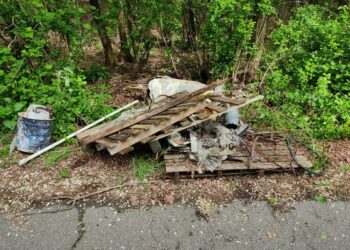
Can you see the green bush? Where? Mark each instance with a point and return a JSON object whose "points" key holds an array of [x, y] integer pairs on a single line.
{"points": [[39, 54], [230, 28], [309, 80]]}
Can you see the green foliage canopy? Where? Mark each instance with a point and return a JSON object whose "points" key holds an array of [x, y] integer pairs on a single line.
{"points": [[310, 78]]}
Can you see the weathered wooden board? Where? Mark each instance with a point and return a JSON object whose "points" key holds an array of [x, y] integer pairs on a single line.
{"points": [[107, 142], [234, 101], [118, 136], [234, 166], [216, 108]]}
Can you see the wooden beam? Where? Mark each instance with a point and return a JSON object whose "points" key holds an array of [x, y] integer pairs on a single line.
{"points": [[93, 134], [235, 166], [109, 143], [127, 150], [118, 136], [142, 126], [216, 108], [227, 100]]}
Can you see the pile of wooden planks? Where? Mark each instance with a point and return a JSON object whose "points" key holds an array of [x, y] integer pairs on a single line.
{"points": [[165, 118]]}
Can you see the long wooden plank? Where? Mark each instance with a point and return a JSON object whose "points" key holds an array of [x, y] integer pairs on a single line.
{"points": [[216, 108], [154, 129], [149, 121], [161, 117], [227, 100], [114, 126], [211, 117], [107, 142], [234, 166], [118, 136], [142, 126]]}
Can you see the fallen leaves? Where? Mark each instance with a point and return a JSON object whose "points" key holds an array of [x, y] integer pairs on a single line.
{"points": [[204, 208], [169, 199], [271, 235]]}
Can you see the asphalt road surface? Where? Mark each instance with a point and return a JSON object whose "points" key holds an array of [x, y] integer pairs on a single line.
{"points": [[256, 225]]}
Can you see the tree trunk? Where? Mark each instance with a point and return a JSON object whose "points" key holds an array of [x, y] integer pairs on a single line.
{"points": [[260, 36], [189, 21], [124, 46], [106, 42]]}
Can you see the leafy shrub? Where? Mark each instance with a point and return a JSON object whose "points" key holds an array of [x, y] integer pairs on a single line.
{"points": [[229, 28], [95, 73], [64, 89], [309, 79], [39, 52]]}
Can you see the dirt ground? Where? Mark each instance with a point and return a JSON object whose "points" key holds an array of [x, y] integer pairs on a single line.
{"points": [[38, 184]]}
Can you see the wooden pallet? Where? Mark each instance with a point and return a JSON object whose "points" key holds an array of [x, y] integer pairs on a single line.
{"points": [[266, 158]]}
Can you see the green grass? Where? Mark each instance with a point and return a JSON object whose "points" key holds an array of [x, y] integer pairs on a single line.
{"points": [[4, 151], [345, 168], [64, 173], [272, 201], [55, 156], [145, 167], [5, 142], [321, 199], [323, 183]]}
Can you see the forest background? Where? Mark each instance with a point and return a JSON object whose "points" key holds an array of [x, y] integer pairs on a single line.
{"points": [[295, 53]]}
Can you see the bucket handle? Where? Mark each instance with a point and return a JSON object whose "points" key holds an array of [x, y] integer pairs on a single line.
{"points": [[47, 109]]}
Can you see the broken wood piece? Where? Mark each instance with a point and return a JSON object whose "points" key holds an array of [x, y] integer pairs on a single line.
{"points": [[150, 121], [109, 143], [225, 166], [227, 100], [148, 139], [142, 126], [185, 122], [202, 116], [161, 117], [167, 129], [216, 108], [118, 136], [127, 150]]}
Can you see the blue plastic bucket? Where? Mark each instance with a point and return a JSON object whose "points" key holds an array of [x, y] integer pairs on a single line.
{"points": [[32, 135]]}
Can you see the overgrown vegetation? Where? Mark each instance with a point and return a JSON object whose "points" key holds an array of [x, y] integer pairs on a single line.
{"points": [[40, 54], [144, 167], [309, 78], [294, 52]]}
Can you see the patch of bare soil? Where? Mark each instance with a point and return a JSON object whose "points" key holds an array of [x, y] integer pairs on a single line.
{"points": [[89, 171]]}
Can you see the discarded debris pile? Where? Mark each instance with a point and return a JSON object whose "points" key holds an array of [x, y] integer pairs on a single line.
{"points": [[202, 127], [255, 152], [171, 115]]}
